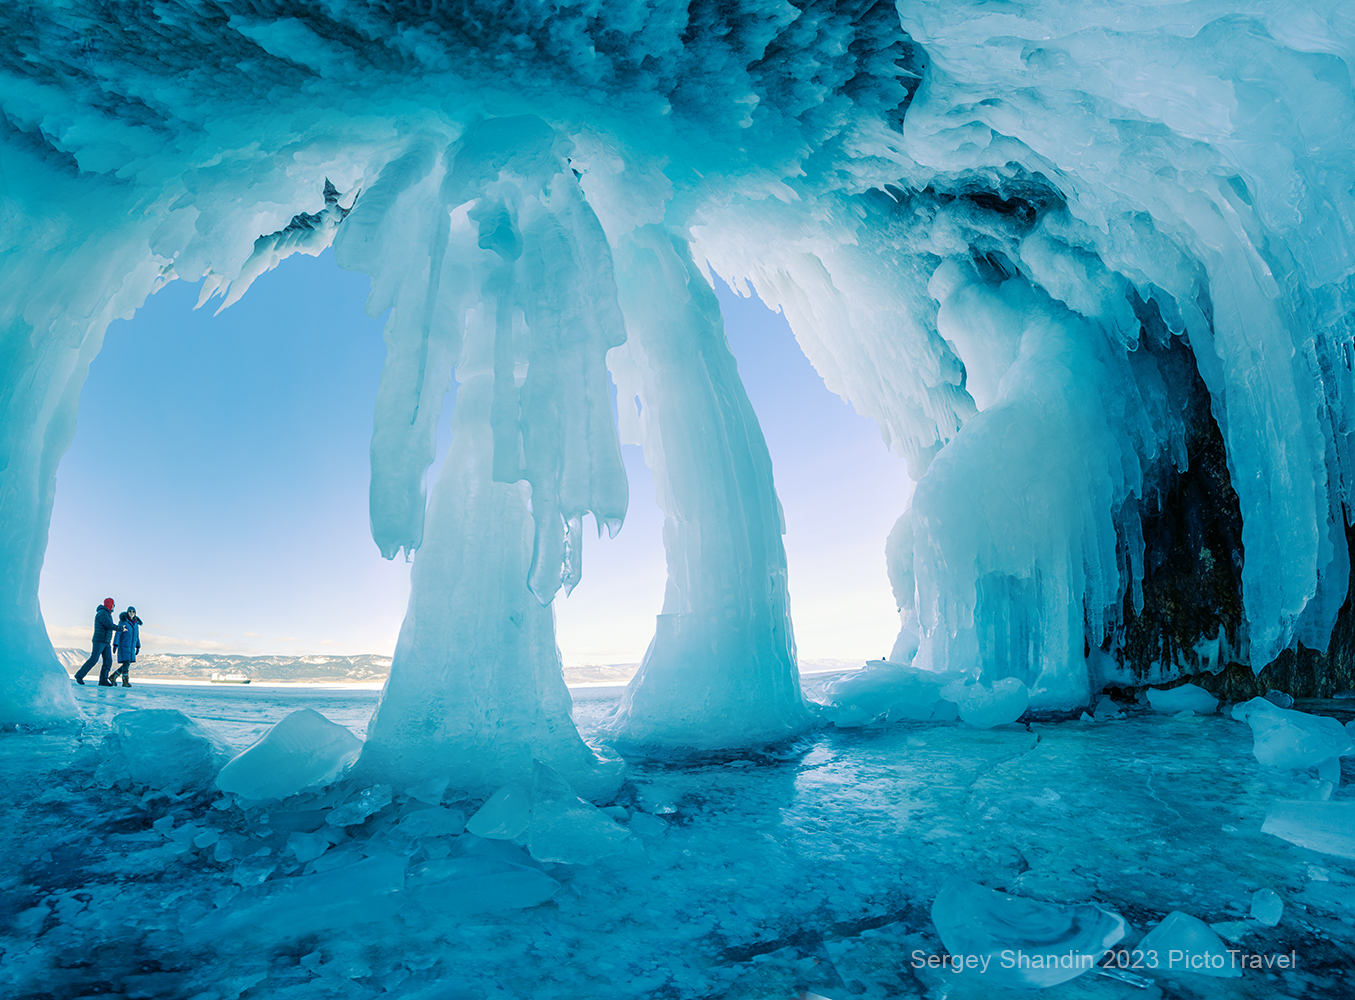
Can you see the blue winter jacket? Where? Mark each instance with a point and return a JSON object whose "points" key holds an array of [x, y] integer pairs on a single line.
{"points": [[104, 625], [128, 642]]}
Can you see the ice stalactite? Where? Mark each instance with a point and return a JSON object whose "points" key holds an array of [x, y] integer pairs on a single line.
{"points": [[720, 671], [509, 280]]}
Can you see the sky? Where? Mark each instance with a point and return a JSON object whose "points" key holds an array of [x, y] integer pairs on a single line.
{"points": [[218, 482]]}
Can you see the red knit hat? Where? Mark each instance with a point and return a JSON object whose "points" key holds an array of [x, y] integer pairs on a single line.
{"points": [[108, 603]]}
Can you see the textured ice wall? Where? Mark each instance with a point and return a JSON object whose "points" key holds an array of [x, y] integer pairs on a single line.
{"points": [[986, 226]]}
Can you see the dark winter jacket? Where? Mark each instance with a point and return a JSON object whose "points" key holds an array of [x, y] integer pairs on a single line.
{"points": [[128, 642], [104, 625]]}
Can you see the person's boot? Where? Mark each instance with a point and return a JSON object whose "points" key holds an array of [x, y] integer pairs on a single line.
{"points": [[125, 682], [79, 680]]}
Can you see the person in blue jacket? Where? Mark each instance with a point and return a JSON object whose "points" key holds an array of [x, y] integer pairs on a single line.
{"points": [[104, 630], [126, 645]]}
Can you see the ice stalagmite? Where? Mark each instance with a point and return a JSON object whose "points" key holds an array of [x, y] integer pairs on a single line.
{"points": [[721, 670], [514, 287]]}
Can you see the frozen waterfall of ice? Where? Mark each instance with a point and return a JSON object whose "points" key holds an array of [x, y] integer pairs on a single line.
{"points": [[1020, 239]]}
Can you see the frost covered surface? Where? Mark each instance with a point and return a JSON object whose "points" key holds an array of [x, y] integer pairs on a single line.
{"points": [[1022, 239], [748, 876]]}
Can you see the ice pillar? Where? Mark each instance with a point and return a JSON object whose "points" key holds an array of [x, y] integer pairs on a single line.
{"points": [[476, 692], [720, 671], [507, 253]]}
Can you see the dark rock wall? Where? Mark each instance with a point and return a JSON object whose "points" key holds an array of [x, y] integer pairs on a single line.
{"points": [[1303, 673], [1192, 579], [1192, 537]]}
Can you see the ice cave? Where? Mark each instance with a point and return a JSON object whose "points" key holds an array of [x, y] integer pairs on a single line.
{"points": [[1089, 266]]}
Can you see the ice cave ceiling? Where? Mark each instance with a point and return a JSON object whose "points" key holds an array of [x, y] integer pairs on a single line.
{"points": [[1088, 265]]}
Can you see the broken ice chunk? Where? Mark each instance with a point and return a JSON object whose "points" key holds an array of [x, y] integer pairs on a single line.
{"points": [[983, 707], [468, 885], [1279, 699], [1290, 739], [307, 846], [363, 893], [1328, 827], [430, 792], [434, 823], [644, 825], [1184, 698], [891, 691], [1233, 930], [1182, 943], [566, 829], [1049, 944], [252, 872], [304, 750], [1330, 771], [165, 749], [504, 816], [1267, 907], [356, 810], [1106, 708]]}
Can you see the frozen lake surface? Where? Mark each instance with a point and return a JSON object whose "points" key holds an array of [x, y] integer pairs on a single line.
{"points": [[760, 876]]}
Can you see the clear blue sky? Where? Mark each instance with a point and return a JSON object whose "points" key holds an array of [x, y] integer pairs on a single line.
{"points": [[218, 481]]}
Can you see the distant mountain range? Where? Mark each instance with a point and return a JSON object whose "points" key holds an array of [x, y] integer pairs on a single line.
{"points": [[366, 667], [201, 666]]}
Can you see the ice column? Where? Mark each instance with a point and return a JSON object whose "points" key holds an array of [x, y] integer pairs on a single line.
{"points": [[508, 272], [476, 692], [720, 671]]}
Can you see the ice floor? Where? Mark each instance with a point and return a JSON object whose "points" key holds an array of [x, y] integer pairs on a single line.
{"points": [[760, 877]]}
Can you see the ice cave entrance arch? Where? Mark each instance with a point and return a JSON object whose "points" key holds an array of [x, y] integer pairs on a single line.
{"points": [[194, 428], [218, 476]]}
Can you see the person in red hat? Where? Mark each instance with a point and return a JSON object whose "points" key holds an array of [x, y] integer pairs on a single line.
{"points": [[104, 630]]}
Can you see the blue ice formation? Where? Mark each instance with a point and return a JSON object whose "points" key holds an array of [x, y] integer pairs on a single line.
{"points": [[996, 230]]}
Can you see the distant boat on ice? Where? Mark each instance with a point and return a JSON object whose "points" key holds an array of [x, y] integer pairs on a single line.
{"points": [[219, 678]]}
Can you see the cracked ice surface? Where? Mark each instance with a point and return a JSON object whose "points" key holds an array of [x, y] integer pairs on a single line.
{"points": [[760, 876]]}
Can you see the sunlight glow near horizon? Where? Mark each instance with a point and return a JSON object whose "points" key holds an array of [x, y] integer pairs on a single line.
{"points": [[218, 481]]}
